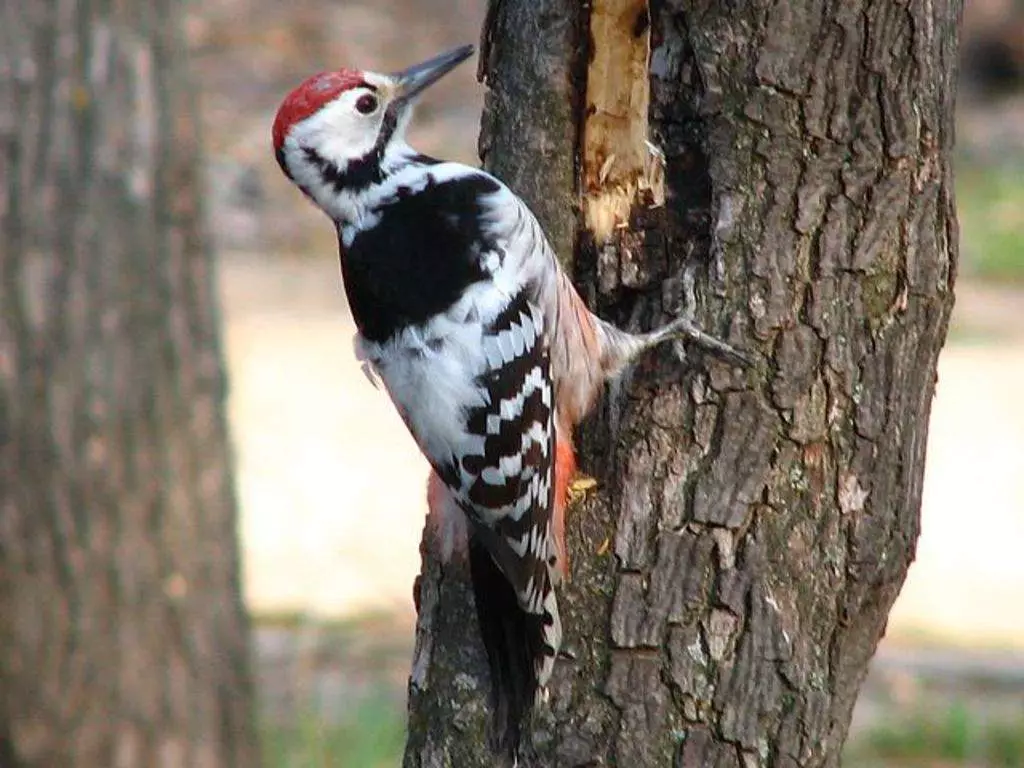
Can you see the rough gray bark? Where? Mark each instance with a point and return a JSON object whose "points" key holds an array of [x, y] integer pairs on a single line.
{"points": [[732, 576], [123, 641]]}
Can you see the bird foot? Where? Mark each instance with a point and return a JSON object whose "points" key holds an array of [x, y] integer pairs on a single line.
{"points": [[684, 329]]}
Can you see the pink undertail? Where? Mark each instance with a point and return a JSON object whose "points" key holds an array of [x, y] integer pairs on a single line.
{"points": [[446, 523], [565, 469]]}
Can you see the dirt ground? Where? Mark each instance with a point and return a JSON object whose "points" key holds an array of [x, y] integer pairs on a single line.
{"points": [[332, 487], [967, 583]]}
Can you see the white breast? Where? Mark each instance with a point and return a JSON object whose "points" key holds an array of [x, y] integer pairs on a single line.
{"points": [[431, 372]]}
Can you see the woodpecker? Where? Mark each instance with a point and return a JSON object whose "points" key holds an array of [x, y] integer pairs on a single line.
{"points": [[480, 339]]}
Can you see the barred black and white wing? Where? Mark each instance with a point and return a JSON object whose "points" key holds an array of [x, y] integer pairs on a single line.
{"points": [[505, 486], [511, 483]]}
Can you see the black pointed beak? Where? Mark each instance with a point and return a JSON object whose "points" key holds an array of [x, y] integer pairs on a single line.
{"points": [[412, 81]]}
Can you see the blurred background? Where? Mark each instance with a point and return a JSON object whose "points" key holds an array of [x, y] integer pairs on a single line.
{"points": [[331, 486]]}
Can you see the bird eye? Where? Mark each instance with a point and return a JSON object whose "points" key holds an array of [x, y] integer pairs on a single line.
{"points": [[366, 104]]}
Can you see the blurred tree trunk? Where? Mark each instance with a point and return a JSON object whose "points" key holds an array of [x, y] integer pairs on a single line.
{"points": [[732, 576], [123, 639]]}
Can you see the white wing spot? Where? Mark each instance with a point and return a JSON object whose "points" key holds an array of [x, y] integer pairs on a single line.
{"points": [[492, 476], [511, 465], [493, 352], [518, 343], [505, 345], [529, 331], [510, 409]]}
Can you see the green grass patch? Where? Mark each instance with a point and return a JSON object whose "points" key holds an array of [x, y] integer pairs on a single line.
{"points": [[332, 692], [372, 737], [990, 201], [957, 736]]}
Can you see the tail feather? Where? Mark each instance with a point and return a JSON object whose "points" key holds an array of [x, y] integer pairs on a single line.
{"points": [[514, 641]]}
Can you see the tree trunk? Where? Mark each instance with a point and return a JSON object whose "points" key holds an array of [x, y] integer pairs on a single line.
{"points": [[123, 640], [732, 576]]}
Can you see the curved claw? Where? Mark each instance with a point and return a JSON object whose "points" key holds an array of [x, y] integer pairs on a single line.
{"points": [[682, 328]]}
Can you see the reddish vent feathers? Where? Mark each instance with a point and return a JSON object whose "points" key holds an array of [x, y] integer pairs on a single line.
{"points": [[310, 96]]}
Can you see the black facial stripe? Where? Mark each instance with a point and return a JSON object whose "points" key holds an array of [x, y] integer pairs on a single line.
{"points": [[360, 173], [363, 172], [387, 127]]}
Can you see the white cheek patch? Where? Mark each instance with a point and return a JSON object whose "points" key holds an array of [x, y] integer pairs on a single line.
{"points": [[338, 132]]}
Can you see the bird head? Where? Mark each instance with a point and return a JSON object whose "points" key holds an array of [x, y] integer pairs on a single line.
{"points": [[337, 131]]}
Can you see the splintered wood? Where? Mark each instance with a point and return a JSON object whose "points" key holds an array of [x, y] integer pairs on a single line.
{"points": [[620, 166]]}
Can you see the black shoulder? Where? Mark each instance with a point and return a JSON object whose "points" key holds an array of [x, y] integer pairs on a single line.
{"points": [[418, 259]]}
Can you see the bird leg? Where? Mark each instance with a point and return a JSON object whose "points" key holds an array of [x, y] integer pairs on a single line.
{"points": [[682, 328]]}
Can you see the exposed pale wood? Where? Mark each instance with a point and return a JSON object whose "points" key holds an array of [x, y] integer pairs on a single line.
{"points": [[622, 168]]}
